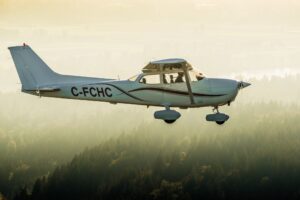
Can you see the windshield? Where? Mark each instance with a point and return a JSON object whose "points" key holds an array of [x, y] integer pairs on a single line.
{"points": [[195, 75], [150, 79], [133, 78]]}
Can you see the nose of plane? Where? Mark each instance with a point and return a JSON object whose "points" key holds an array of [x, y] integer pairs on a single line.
{"points": [[243, 84]]}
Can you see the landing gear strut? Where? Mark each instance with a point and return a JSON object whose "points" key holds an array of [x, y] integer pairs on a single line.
{"points": [[219, 118]]}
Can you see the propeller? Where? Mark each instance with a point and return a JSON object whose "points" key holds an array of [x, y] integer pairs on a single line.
{"points": [[243, 84]]}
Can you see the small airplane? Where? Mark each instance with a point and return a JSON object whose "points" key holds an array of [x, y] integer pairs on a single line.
{"points": [[165, 83]]}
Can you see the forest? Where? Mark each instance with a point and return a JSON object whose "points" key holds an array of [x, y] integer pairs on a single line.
{"points": [[255, 156], [91, 151]]}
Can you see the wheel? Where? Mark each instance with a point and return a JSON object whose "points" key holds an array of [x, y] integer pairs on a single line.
{"points": [[220, 122], [169, 121]]}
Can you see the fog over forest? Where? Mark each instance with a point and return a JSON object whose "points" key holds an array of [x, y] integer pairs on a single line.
{"points": [[65, 149], [38, 135]]}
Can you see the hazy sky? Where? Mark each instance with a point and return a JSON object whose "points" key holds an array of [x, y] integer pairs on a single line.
{"points": [[118, 37], [221, 12]]}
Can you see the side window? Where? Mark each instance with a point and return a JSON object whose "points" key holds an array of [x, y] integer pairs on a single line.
{"points": [[150, 79], [170, 78]]}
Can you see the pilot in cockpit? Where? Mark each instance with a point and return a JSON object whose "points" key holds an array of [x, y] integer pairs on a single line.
{"points": [[199, 76]]}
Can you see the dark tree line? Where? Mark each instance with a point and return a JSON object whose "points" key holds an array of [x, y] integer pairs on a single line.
{"points": [[257, 159]]}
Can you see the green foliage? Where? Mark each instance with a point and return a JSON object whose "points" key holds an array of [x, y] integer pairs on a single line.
{"points": [[256, 155]]}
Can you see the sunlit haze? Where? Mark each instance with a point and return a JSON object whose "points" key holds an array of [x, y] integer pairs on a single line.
{"points": [[54, 148], [251, 38]]}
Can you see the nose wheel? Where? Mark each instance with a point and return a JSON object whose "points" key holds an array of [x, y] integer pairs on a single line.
{"points": [[219, 118]]}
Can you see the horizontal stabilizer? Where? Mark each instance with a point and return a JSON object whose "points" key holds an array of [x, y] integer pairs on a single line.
{"points": [[49, 89]]}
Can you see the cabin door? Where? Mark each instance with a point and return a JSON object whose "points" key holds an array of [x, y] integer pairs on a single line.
{"points": [[150, 89], [175, 89]]}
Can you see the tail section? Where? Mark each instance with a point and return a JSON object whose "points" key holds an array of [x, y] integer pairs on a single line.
{"points": [[32, 70]]}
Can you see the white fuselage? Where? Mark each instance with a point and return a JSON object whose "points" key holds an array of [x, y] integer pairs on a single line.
{"points": [[167, 83], [206, 92]]}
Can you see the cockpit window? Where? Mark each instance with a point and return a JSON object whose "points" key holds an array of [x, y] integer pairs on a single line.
{"points": [[150, 79], [177, 77], [133, 78]]}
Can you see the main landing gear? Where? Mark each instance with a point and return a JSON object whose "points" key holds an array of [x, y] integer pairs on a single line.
{"points": [[219, 118], [168, 121], [168, 115]]}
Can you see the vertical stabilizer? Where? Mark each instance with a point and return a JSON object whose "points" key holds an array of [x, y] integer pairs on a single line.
{"points": [[32, 70]]}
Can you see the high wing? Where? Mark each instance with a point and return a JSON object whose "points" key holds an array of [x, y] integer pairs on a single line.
{"points": [[167, 65]]}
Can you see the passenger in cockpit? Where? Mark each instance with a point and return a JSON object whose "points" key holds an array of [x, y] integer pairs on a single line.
{"points": [[164, 79], [179, 78], [171, 78]]}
